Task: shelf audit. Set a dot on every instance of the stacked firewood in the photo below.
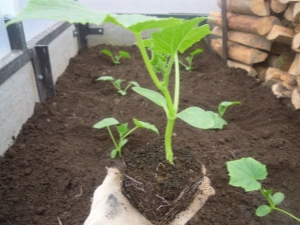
(264, 39)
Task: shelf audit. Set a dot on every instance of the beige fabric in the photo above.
(110, 206)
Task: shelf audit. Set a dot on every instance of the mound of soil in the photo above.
(58, 159)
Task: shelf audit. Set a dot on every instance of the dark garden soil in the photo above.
(58, 159)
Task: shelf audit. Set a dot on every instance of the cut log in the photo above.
(297, 28)
(280, 75)
(239, 52)
(278, 48)
(296, 13)
(250, 70)
(288, 1)
(281, 34)
(277, 7)
(245, 23)
(281, 91)
(249, 7)
(288, 14)
(296, 43)
(251, 40)
(282, 62)
(275, 20)
(296, 98)
(261, 71)
(295, 67)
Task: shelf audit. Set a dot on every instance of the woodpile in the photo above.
(263, 39)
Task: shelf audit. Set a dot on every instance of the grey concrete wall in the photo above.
(19, 93)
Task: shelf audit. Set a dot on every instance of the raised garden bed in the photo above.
(58, 160)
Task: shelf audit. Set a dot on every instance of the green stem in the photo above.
(146, 59)
(129, 132)
(168, 139)
(112, 138)
(285, 212)
(177, 84)
(168, 71)
(268, 199)
(116, 86)
(127, 87)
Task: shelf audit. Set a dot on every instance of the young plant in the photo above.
(117, 84)
(123, 132)
(189, 59)
(246, 173)
(173, 36)
(224, 105)
(116, 58)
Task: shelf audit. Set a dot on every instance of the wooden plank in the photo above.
(296, 98)
(295, 67)
(280, 75)
(277, 7)
(249, 24)
(248, 7)
(282, 62)
(296, 43)
(251, 40)
(239, 52)
(281, 34)
(250, 70)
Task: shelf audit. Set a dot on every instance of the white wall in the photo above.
(153, 6)
(19, 94)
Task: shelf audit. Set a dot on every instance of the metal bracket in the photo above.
(16, 36)
(43, 72)
(95, 31)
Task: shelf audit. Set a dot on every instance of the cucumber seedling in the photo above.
(116, 58)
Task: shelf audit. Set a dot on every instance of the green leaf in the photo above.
(64, 10)
(245, 173)
(106, 123)
(107, 52)
(106, 78)
(153, 96)
(179, 37)
(195, 52)
(136, 84)
(121, 92)
(219, 122)
(263, 210)
(197, 117)
(139, 23)
(118, 82)
(224, 105)
(123, 142)
(122, 129)
(277, 198)
(124, 54)
(142, 124)
(113, 153)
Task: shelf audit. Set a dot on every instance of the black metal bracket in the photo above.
(43, 72)
(82, 31)
(224, 31)
(16, 36)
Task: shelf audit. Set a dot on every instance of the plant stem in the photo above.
(129, 132)
(285, 212)
(113, 139)
(147, 60)
(168, 139)
(168, 71)
(177, 83)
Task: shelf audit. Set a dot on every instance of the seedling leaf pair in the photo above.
(117, 84)
(123, 132)
(116, 58)
(246, 173)
(189, 59)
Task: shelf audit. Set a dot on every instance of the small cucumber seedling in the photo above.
(123, 131)
(189, 59)
(117, 84)
(246, 173)
(224, 105)
(116, 58)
